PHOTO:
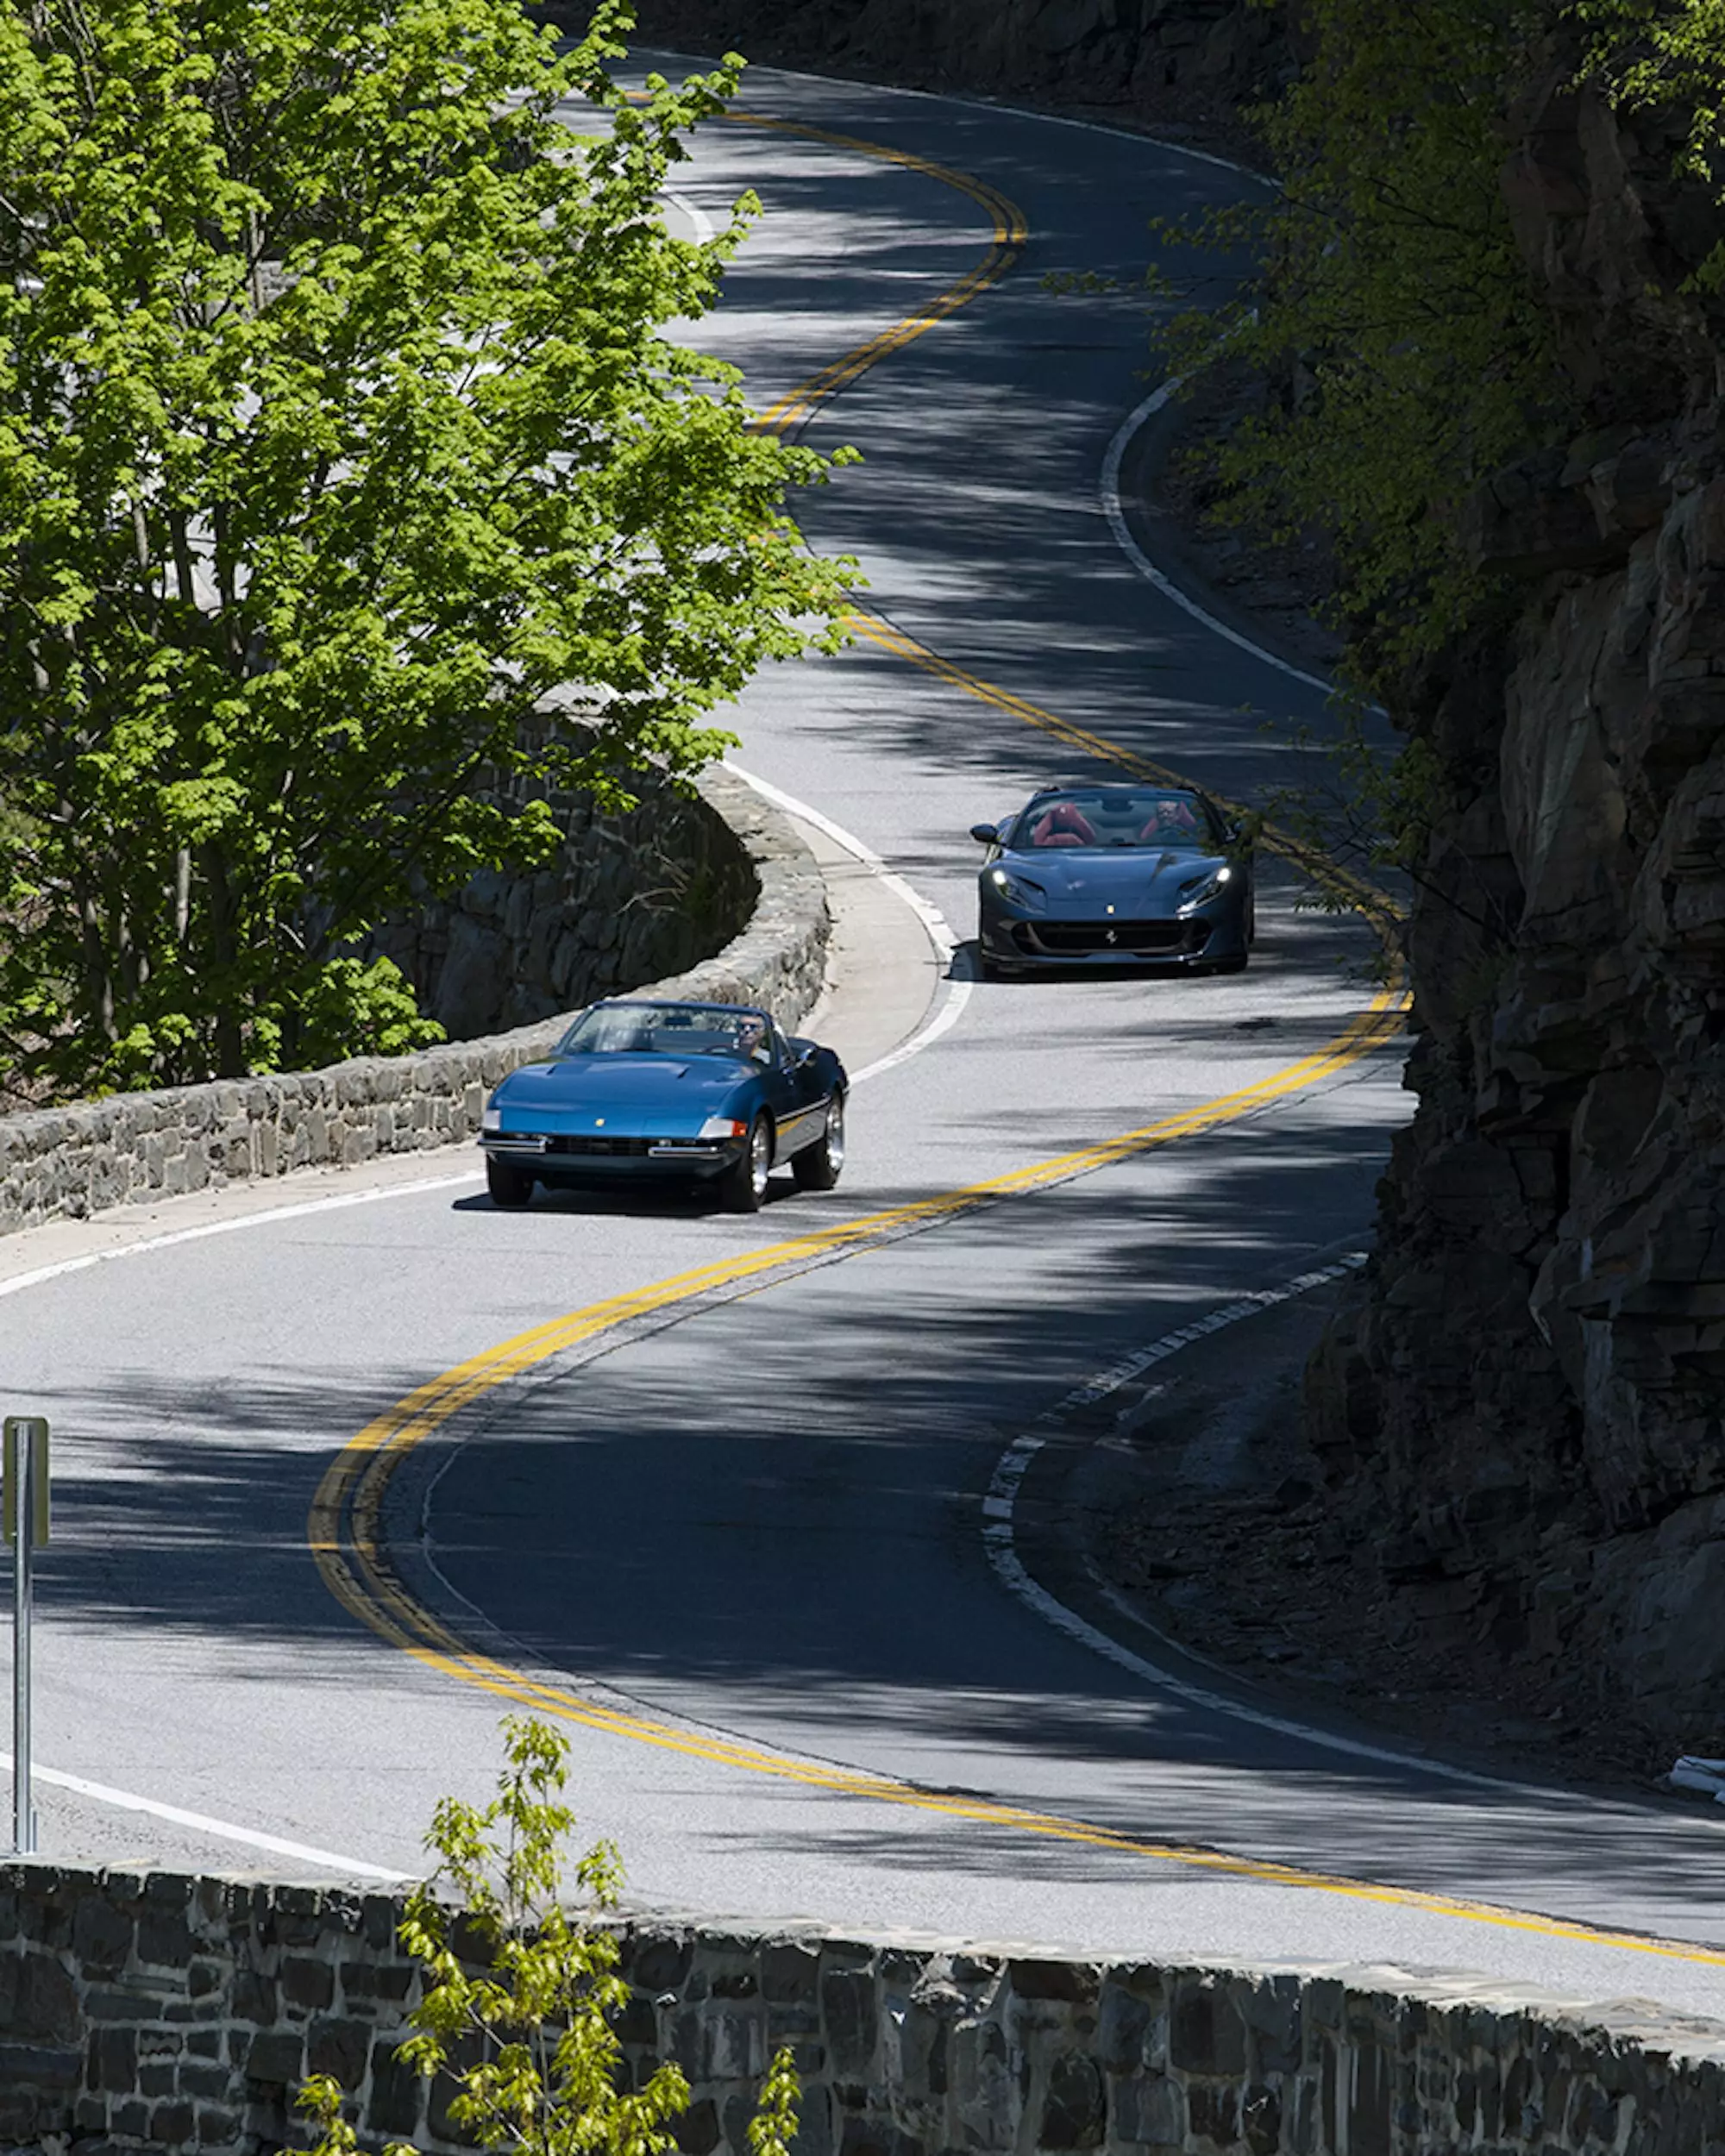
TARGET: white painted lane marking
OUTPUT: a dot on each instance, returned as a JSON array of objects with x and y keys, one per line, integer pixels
[
  {"x": 704, "y": 233},
  {"x": 952, "y": 1007},
  {"x": 1130, "y": 1366},
  {"x": 934, "y": 922},
  {"x": 958, "y": 994},
  {"x": 1000, "y": 1540},
  {"x": 228, "y": 1227},
  {"x": 221, "y": 1829},
  {"x": 940, "y": 935},
  {"x": 992, "y": 104},
  {"x": 1112, "y": 509}
]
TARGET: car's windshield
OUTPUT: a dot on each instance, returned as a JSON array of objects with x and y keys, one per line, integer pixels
[
  {"x": 1159, "y": 817},
  {"x": 667, "y": 1029}
]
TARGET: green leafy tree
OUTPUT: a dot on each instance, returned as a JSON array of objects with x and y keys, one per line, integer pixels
[
  {"x": 1403, "y": 352},
  {"x": 1668, "y": 56},
  {"x": 1411, "y": 353},
  {"x": 523, "y": 2025},
  {"x": 1392, "y": 309},
  {"x": 339, "y": 424}
]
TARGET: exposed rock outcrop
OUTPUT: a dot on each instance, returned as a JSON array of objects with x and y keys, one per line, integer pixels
[
  {"x": 1155, "y": 58},
  {"x": 1531, "y": 1383}
]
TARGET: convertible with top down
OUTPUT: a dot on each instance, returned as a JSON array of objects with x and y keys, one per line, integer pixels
[
  {"x": 1115, "y": 874},
  {"x": 708, "y": 1093}
]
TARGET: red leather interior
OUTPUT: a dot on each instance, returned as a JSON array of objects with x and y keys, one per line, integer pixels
[{"x": 1064, "y": 825}]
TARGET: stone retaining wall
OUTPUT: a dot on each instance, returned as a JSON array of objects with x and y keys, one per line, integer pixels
[
  {"x": 153, "y": 2011},
  {"x": 67, "y": 1163},
  {"x": 627, "y": 898}
]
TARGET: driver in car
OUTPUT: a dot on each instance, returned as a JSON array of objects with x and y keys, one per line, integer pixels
[
  {"x": 1173, "y": 818},
  {"x": 751, "y": 1037}
]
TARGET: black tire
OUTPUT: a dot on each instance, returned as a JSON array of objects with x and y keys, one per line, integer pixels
[
  {"x": 990, "y": 968},
  {"x": 1230, "y": 965},
  {"x": 511, "y": 1186},
  {"x": 743, "y": 1185},
  {"x": 819, "y": 1166}
]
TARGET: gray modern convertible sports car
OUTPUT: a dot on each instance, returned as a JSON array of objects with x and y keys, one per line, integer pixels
[{"x": 1115, "y": 874}]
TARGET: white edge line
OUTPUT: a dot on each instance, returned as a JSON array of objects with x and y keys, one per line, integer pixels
[
  {"x": 325, "y": 1859},
  {"x": 984, "y": 104},
  {"x": 957, "y": 995},
  {"x": 331, "y": 1204},
  {"x": 958, "y": 988},
  {"x": 1114, "y": 511},
  {"x": 940, "y": 935},
  {"x": 705, "y": 230},
  {"x": 999, "y": 1542}
]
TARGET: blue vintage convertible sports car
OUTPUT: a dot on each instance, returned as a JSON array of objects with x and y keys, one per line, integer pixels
[
  {"x": 1115, "y": 874},
  {"x": 704, "y": 1092}
]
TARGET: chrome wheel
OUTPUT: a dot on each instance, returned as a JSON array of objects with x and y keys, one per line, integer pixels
[
  {"x": 817, "y": 1167},
  {"x": 743, "y": 1185},
  {"x": 760, "y": 1157}
]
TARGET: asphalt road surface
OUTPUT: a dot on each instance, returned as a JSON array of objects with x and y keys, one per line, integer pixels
[{"x": 754, "y": 1536}]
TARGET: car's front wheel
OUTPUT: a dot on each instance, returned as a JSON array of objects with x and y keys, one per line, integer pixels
[
  {"x": 743, "y": 1185},
  {"x": 509, "y": 1186},
  {"x": 818, "y": 1167}
]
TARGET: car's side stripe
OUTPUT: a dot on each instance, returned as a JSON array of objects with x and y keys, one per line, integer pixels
[{"x": 802, "y": 1115}]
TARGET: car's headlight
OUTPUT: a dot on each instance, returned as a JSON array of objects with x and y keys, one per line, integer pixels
[
  {"x": 491, "y": 1119},
  {"x": 1018, "y": 889},
  {"x": 723, "y": 1126},
  {"x": 1201, "y": 889}
]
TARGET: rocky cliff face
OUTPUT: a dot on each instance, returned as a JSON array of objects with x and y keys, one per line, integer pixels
[
  {"x": 1533, "y": 1377},
  {"x": 1191, "y": 59}
]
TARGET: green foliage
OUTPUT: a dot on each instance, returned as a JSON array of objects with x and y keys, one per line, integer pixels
[
  {"x": 1392, "y": 309},
  {"x": 521, "y": 1993},
  {"x": 1412, "y": 354},
  {"x": 1669, "y": 55},
  {"x": 338, "y": 425}
]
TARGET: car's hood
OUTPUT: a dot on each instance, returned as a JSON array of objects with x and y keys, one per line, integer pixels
[
  {"x": 656, "y": 1095},
  {"x": 1111, "y": 876}
]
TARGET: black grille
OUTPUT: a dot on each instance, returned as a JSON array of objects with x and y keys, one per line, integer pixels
[
  {"x": 599, "y": 1148},
  {"x": 1129, "y": 939}
]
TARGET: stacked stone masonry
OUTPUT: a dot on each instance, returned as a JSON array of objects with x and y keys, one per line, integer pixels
[
  {"x": 637, "y": 895},
  {"x": 159, "y": 2013},
  {"x": 68, "y": 1163}
]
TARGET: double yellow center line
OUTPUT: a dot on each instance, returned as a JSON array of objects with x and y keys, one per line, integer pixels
[
  {"x": 794, "y": 411},
  {"x": 344, "y": 1525}
]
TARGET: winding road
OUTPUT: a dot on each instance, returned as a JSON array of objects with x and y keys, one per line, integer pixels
[{"x": 749, "y": 1504}]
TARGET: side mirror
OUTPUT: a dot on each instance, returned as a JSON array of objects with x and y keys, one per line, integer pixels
[
  {"x": 804, "y": 1054},
  {"x": 985, "y": 834}
]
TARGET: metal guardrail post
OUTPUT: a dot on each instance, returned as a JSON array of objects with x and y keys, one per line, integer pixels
[{"x": 26, "y": 1507}]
